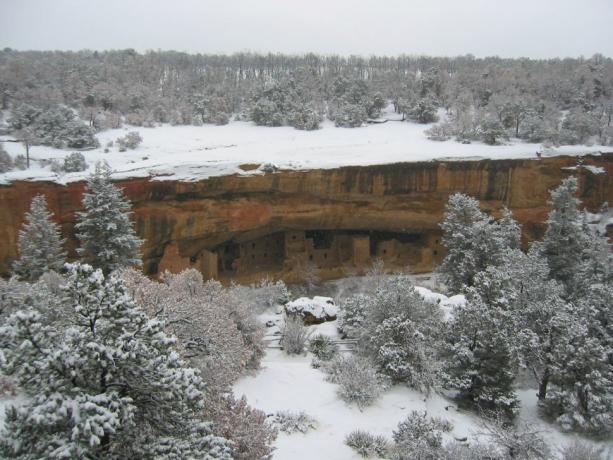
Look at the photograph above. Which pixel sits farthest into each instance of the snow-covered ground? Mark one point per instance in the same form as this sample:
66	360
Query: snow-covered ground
290	383
190	153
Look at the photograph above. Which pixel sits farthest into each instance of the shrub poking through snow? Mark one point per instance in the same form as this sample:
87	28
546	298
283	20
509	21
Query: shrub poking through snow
295	335
474	451
579	450
419	436
130	141
75	162
358	380
352	315
524	441
367	444
250	432
323	347
294	422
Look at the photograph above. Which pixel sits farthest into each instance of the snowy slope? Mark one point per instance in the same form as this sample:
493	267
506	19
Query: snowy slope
290	383
190	153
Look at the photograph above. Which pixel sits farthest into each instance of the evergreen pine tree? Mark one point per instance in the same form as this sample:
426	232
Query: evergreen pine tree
565	239
461	225
40	243
481	362
108	240
582	377
474	240
106	383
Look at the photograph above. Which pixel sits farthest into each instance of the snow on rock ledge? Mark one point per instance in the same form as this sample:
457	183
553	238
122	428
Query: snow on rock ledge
313	311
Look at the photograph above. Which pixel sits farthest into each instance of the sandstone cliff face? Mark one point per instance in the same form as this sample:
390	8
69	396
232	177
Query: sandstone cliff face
236	227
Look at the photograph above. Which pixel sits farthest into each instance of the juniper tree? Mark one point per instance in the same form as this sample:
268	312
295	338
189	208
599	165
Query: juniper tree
481	361
40	243
400	332
106	383
582	378
108	240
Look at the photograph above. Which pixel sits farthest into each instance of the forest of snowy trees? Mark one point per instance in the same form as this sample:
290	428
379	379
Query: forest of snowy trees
63	98
112	364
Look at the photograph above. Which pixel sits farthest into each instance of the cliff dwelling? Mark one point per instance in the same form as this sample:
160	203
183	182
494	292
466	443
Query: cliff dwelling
285	254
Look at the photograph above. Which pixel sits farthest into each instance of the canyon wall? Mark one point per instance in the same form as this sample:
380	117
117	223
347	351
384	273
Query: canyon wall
284	223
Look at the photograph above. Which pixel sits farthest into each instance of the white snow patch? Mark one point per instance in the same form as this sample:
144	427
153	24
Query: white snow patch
595	169
190	153
319	307
447	304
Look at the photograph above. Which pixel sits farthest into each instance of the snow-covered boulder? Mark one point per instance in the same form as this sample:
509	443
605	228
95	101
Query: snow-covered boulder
313	311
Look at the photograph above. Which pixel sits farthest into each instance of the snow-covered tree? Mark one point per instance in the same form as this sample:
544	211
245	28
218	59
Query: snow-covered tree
400	333
107	237
216	333
75	162
491	131
565	239
534	308
352	315
6	162
419	437
423	111
473	240
40	243
579	398
247	428
107	384
481	363
305	117
130	141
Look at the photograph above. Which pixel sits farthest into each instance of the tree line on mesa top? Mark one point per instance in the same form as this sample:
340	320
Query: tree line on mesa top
557	101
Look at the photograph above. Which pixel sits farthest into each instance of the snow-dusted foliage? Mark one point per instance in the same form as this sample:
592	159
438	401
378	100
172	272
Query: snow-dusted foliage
75	162
352	315
107	237
105	384
564	239
580	450
357	377
423	111
40	243
400	333
57	126
263	294
522	442
367	444
295	335
294	422
480	362
249	430
6	162
130	141
419	437
473	240
581	381
217	333
579	397
323	347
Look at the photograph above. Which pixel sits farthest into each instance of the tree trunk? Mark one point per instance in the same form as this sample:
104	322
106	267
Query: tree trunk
543	386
